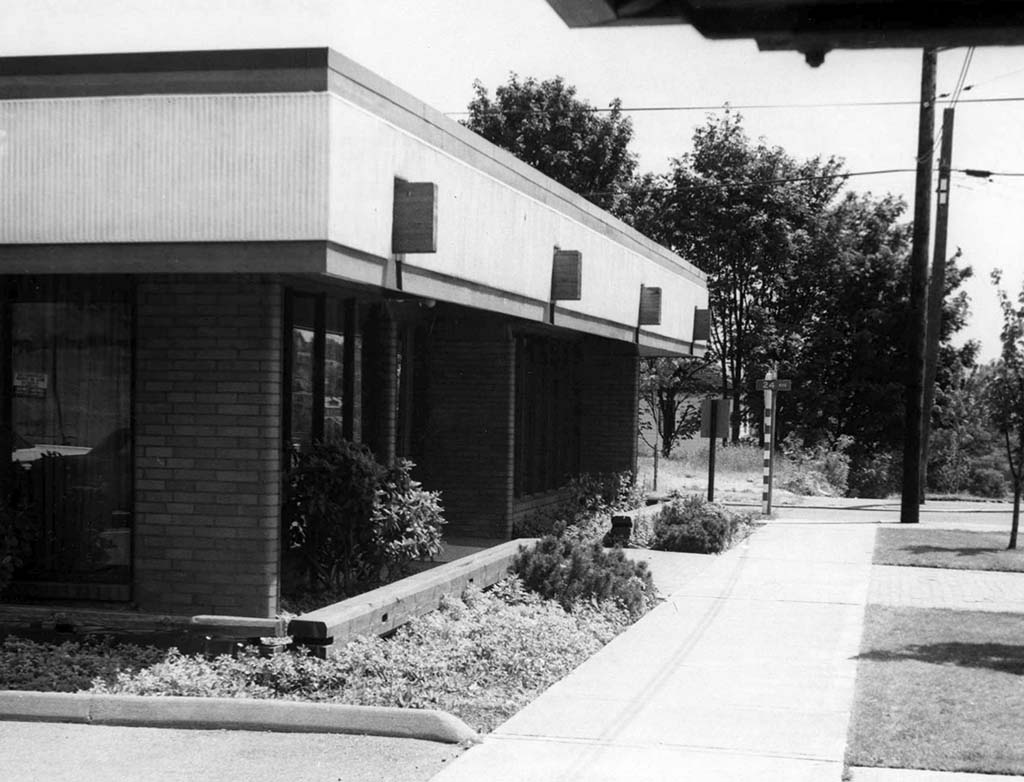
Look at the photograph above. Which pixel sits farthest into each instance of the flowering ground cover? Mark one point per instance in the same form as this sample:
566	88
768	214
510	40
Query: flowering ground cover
481	657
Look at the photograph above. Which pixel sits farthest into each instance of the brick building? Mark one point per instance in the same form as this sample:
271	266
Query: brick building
209	258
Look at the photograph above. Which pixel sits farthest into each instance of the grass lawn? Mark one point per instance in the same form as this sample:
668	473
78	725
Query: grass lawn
939	689
960	549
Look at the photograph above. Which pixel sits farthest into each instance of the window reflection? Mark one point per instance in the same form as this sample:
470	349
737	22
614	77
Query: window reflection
70	398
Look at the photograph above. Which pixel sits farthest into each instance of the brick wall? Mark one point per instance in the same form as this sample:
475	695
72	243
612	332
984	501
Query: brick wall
608	424
527	505
207	444
464	445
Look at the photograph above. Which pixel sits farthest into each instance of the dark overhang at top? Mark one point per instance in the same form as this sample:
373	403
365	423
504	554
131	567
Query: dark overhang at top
815	27
172	73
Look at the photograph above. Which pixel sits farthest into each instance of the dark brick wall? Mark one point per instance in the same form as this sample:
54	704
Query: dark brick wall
207	444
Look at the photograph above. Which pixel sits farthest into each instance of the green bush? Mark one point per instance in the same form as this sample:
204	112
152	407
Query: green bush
875	476
692	524
987	482
584	510
353	522
570	571
820	470
69	666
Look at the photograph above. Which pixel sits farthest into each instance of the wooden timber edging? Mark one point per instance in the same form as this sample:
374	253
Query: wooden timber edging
386	608
83	622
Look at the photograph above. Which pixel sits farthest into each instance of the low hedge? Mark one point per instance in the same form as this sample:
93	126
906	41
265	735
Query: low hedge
692	524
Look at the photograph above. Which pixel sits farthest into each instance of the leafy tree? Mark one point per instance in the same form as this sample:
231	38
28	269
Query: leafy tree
962	442
670	394
544	124
749	215
1005	393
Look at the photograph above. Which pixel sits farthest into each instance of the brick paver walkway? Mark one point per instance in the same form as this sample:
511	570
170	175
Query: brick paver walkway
961	590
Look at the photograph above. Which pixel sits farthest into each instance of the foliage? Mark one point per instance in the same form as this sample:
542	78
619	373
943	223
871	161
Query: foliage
670	394
587	503
962	442
481	657
1004	394
354	522
802	277
18	530
571	571
986	482
875	476
820	470
750	215
68	666
692	524
406	521
545	125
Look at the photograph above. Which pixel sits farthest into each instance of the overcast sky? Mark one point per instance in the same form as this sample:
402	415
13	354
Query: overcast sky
434	49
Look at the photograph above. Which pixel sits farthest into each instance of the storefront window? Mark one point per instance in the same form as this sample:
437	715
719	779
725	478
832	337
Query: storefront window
547	437
316	369
67	407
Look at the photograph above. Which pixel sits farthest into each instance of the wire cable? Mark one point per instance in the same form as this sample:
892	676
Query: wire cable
745	107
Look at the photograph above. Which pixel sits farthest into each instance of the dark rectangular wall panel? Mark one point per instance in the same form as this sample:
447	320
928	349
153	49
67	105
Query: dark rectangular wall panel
414	228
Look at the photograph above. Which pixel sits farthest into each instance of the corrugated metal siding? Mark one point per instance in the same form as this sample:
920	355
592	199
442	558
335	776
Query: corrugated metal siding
164	169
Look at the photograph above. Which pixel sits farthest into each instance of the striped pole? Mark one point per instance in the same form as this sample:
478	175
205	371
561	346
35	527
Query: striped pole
766	490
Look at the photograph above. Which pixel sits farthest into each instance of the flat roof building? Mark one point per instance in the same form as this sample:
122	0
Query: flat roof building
208	259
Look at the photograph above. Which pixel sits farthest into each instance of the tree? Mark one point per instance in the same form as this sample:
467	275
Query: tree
670	394
1005	394
749	215
544	124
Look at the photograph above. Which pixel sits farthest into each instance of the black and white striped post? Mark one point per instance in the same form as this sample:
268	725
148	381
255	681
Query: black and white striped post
770	385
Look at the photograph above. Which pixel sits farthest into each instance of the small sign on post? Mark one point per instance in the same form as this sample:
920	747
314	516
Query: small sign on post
714	423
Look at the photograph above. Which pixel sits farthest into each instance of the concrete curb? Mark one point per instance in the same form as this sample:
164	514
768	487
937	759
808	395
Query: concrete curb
233	714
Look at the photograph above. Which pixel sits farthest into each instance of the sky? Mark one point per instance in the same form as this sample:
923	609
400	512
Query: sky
435	49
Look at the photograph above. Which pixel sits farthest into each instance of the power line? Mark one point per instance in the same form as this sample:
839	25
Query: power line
758	182
745	107
970	172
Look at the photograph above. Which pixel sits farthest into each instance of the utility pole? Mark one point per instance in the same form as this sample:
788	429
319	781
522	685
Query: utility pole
917	322
936	289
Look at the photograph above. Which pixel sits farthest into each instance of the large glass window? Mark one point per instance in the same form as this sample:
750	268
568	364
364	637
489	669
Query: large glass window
547	414
67	416
319	402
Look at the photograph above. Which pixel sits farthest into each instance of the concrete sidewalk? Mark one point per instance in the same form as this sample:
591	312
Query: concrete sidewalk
745	672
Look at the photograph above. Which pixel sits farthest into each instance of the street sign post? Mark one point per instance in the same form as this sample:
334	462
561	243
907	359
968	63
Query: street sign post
714	423
771	385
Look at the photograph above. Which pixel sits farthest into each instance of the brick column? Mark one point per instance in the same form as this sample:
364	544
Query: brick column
207	444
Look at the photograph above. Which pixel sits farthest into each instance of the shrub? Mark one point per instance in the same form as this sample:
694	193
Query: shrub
821	470
355	523
17	532
875	476
406	521
69	666
571	571
987	482
692	524
588	502
481	657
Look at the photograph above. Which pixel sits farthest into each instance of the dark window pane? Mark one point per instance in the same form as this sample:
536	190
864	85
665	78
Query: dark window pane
70	411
